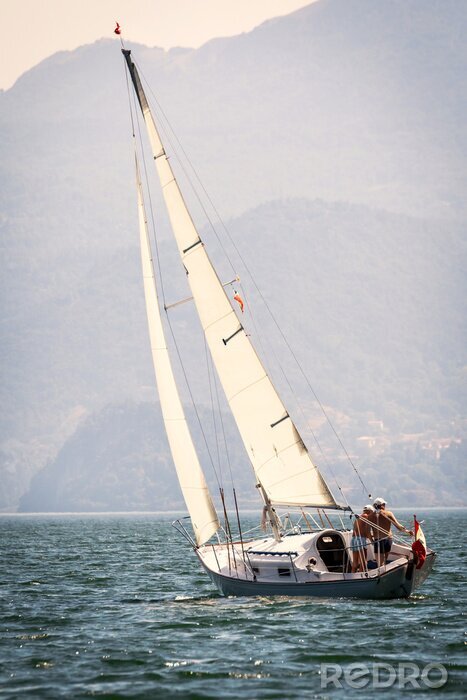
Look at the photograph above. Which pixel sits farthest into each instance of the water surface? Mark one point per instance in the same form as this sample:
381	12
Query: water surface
117	606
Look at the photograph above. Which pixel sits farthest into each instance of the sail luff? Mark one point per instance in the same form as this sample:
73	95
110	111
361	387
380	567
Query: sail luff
279	457
190	474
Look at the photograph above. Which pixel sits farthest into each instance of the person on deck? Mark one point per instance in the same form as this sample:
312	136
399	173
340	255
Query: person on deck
382	520
361	537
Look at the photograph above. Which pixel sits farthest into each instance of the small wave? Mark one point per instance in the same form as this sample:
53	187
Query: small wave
119	661
41	663
203	599
183	662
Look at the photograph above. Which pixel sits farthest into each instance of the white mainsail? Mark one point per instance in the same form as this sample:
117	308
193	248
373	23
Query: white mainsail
279	457
190	474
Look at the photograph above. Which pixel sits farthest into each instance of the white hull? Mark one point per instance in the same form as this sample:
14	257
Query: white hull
268	568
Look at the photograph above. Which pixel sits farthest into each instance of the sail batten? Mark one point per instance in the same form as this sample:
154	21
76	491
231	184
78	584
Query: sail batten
190	475
278	455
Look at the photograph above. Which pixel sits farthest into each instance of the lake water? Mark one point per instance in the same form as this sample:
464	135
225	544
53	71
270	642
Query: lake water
117	606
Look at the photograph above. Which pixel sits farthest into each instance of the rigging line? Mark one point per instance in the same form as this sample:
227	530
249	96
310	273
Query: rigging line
151	208
172	131
300	407
186	379
226	447
212	374
250	274
295	360
293	393
306	380
178	353
257	330
172	332
208	369
193	400
287	345
259	342
153	228
168	129
258	334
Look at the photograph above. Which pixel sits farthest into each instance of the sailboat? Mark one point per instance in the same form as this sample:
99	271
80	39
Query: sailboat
311	558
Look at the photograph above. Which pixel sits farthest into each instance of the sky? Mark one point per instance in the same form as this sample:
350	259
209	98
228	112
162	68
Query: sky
35	29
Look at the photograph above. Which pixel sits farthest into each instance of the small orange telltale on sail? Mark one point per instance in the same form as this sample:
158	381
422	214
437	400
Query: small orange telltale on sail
239	299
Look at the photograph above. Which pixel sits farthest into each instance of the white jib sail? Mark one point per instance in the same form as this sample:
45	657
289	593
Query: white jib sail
279	457
190	475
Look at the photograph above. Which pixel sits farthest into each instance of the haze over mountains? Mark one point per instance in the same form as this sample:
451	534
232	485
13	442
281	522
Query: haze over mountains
334	141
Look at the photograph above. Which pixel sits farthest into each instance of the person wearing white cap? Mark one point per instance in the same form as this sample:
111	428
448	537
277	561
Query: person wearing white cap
361	537
382	520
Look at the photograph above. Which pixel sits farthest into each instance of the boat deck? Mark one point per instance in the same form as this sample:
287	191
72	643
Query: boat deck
296	558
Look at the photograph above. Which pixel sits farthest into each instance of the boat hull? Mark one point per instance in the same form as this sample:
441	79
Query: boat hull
395	583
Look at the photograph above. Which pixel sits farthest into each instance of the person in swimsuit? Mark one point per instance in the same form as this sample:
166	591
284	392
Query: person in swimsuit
382	520
361	536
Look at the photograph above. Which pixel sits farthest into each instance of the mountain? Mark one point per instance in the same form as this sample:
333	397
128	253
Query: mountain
334	142
118	460
359	316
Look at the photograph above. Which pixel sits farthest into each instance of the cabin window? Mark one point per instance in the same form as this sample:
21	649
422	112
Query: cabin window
283	572
255	570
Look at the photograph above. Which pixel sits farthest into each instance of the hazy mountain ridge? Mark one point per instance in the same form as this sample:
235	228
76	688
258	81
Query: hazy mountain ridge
374	93
348	100
358	314
119	459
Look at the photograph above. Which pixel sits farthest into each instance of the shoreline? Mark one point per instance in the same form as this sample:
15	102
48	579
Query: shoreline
183	513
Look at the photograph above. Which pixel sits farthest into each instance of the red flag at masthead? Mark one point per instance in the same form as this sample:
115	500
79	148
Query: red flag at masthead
117	29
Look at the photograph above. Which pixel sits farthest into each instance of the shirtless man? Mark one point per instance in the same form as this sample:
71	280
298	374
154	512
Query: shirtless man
382	520
361	536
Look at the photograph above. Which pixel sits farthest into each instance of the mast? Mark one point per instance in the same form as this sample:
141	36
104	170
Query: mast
190	474
279	457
